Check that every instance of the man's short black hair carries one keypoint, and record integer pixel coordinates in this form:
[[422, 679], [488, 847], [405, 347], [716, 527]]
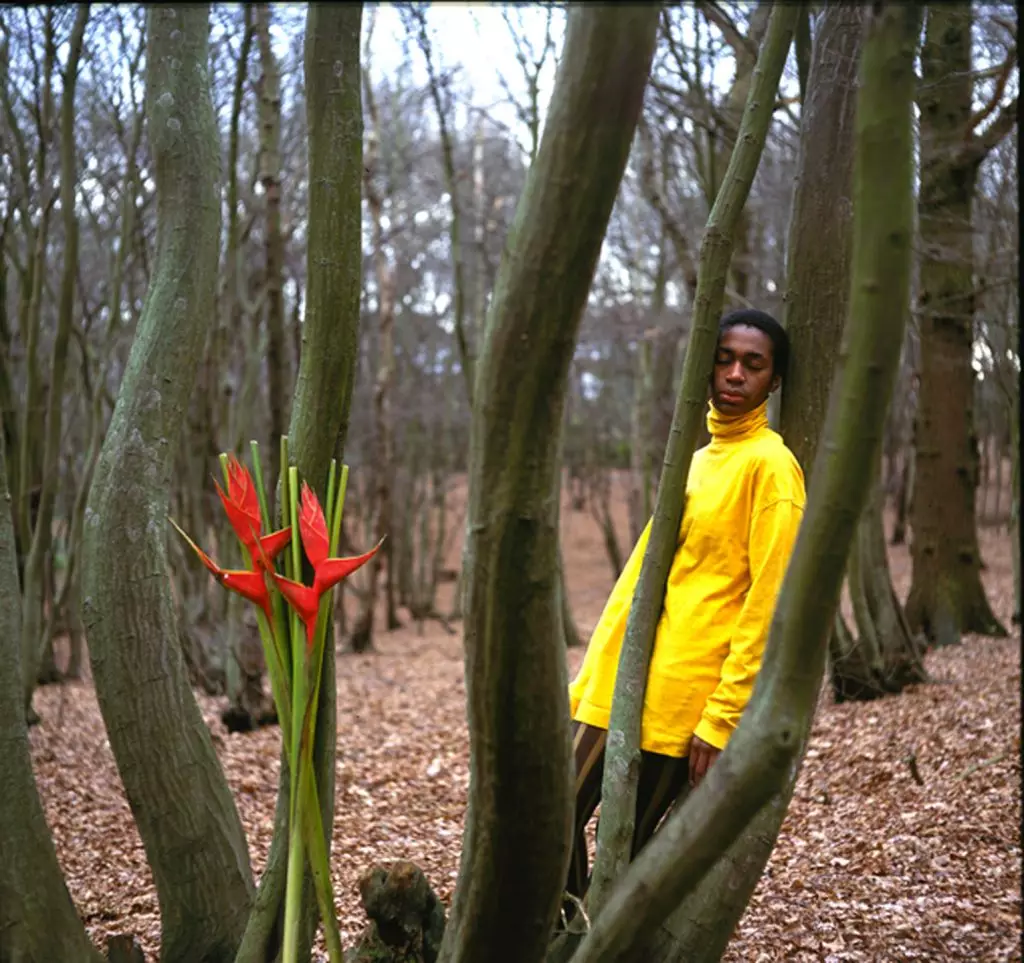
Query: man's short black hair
[[753, 318]]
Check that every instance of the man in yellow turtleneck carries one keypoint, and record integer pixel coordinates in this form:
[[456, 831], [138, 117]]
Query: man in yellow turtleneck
[[744, 503]]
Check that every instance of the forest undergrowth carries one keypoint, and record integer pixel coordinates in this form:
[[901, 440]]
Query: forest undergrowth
[[902, 841]]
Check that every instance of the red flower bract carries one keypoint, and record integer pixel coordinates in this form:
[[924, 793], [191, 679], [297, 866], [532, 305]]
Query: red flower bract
[[327, 572], [242, 505], [249, 584]]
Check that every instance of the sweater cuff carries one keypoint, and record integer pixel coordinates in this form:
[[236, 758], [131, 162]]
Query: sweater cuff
[[712, 733]]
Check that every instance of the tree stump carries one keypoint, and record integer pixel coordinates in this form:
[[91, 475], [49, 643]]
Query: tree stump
[[407, 919], [123, 949]]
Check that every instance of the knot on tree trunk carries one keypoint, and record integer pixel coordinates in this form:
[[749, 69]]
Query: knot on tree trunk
[[406, 917]]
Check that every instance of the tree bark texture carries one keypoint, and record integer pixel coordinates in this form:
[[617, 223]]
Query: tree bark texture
[[178, 795], [323, 393], [38, 921], [278, 370], [622, 757], [766, 745], [946, 595], [815, 308], [517, 838]]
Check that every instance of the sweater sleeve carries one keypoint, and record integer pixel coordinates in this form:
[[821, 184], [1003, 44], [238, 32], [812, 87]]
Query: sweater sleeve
[[772, 535]]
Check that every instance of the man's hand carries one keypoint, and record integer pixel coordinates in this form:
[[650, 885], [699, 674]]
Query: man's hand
[[702, 757]]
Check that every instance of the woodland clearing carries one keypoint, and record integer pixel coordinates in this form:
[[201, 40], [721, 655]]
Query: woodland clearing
[[902, 841]]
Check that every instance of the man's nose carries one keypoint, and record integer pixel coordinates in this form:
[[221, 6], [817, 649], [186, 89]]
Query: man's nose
[[734, 372]]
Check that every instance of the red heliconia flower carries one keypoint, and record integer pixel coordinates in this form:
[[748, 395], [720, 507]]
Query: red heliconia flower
[[242, 505], [327, 572], [251, 585]]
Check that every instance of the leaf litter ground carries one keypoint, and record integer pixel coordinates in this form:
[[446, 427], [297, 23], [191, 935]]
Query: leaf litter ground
[[871, 863]]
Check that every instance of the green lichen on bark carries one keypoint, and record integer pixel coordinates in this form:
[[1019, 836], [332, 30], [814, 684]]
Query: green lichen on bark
[[180, 800], [766, 745], [622, 760], [323, 393], [513, 869]]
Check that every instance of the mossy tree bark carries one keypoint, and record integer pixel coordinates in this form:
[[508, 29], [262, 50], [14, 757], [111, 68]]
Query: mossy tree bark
[[815, 308], [513, 868], [38, 922], [180, 800], [946, 595], [765, 749], [622, 760], [323, 395]]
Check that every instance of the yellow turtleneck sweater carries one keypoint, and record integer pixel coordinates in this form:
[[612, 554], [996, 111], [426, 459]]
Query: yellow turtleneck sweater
[[744, 503]]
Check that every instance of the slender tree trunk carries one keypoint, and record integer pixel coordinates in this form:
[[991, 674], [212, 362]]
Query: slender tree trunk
[[642, 469], [30, 457], [270, 178], [622, 761], [766, 746], [946, 596], [185, 814], [464, 338], [38, 922], [382, 468], [323, 394], [513, 868], [815, 309]]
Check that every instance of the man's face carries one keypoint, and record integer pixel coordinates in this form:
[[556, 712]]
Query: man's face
[[743, 377]]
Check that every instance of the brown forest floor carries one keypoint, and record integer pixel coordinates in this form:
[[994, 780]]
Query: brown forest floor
[[869, 866]]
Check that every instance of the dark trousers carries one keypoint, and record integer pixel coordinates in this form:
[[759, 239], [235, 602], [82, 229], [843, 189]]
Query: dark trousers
[[662, 779]]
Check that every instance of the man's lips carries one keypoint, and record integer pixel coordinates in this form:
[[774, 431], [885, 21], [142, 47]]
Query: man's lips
[[730, 396]]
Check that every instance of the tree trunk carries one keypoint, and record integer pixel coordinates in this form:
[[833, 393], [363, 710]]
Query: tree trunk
[[641, 467], [765, 749], [815, 309], [382, 465], [946, 595], [185, 814], [323, 393], [513, 868], [35, 576], [465, 340], [622, 762], [270, 178], [38, 922]]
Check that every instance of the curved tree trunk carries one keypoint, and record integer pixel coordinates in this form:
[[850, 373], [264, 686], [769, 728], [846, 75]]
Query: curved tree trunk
[[323, 394], [622, 761], [513, 868], [767, 744], [815, 308], [946, 596], [186, 817], [38, 922]]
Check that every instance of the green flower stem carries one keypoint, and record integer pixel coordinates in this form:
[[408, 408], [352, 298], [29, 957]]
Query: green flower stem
[[319, 861], [294, 878]]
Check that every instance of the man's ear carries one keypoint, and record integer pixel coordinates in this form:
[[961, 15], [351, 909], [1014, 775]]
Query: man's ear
[[776, 382]]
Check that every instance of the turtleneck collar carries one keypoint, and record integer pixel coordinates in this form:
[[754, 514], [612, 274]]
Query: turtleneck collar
[[724, 428]]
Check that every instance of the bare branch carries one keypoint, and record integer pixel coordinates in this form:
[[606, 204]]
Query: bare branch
[[983, 144], [1002, 77], [741, 45]]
